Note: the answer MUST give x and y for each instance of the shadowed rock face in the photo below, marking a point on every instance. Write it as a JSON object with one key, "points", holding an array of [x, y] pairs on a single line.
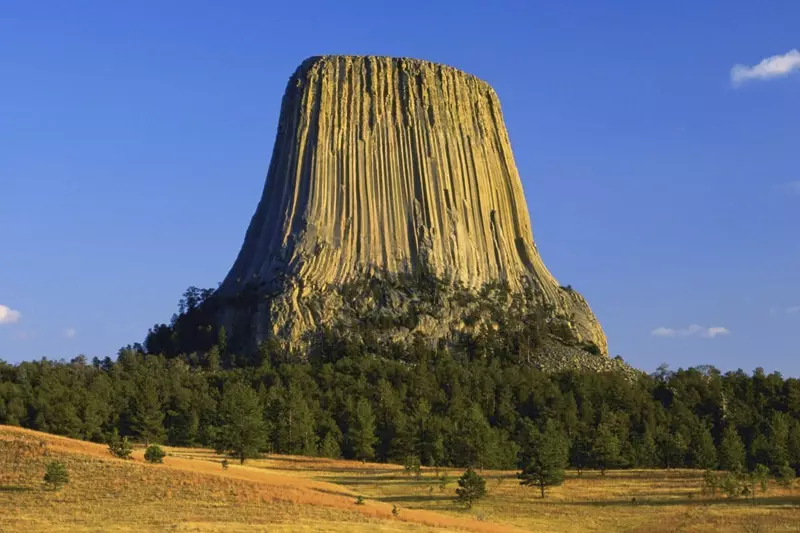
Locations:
{"points": [[387, 166]]}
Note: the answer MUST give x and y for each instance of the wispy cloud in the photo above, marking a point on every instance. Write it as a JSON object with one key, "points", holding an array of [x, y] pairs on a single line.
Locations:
{"points": [[771, 67], [692, 331], [70, 333], [793, 187], [793, 309], [8, 315]]}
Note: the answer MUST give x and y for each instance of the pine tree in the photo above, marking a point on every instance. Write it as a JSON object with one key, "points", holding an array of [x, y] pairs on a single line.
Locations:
{"points": [[147, 417], [646, 452], [242, 432], [361, 431], [731, 450], [471, 487], [56, 475], [294, 422], [702, 451], [546, 459], [472, 442], [426, 435], [606, 447], [793, 447], [779, 428]]}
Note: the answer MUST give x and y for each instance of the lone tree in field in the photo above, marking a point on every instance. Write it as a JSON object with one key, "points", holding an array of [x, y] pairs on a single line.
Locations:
{"points": [[56, 475], [242, 431], [545, 458], [471, 487]]}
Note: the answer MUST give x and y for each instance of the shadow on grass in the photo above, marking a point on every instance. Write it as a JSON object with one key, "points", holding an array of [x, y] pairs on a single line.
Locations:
{"points": [[14, 488], [362, 480], [414, 498], [644, 502]]}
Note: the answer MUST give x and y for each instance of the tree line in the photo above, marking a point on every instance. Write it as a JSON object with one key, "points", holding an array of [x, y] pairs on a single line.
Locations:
{"points": [[435, 406]]}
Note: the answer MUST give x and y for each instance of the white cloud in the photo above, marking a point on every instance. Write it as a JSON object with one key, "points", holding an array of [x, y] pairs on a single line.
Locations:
{"points": [[70, 333], [793, 309], [714, 331], [8, 315], [690, 331], [771, 67]]}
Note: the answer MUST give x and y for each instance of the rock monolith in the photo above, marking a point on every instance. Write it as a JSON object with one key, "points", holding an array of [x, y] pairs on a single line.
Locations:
{"points": [[389, 168]]}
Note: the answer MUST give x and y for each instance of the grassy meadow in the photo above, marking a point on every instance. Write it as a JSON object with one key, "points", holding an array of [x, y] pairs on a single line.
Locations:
{"points": [[191, 492]]}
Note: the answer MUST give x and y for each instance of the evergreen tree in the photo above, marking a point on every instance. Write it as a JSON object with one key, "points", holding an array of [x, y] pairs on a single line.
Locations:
{"points": [[147, 415], [731, 451], [793, 445], [472, 443], [294, 422], [361, 431], [242, 431], [605, 448], [702, 451], [779, 428], [154, 454], [56, 475], [471, 487], [546, 458], [646, 451], [426, 435]]}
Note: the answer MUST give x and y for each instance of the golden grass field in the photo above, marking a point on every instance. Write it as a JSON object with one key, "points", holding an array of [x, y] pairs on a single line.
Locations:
{"points": [[191, 492]]}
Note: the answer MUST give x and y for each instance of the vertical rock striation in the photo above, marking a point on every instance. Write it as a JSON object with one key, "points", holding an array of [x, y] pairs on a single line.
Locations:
{"points": [[388, 166]]}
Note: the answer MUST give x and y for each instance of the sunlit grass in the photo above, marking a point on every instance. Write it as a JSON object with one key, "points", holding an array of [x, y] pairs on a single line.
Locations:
{"points": [[191, 492]]}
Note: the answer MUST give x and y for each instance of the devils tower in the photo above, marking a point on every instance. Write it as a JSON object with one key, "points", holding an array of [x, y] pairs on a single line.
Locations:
{"points": [[390, 168]]}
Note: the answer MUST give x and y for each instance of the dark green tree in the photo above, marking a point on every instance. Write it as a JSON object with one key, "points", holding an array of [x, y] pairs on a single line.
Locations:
{"points": [[731, 451], [56, 475], [361, 431], [605, 448], [242, 432], [546, 457], [119, 447], [471, 487], [154, 454], [147, 415], [702, 451]]}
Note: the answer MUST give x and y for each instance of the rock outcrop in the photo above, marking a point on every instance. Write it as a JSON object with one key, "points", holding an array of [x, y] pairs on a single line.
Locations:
{"points": [[390, 167]]}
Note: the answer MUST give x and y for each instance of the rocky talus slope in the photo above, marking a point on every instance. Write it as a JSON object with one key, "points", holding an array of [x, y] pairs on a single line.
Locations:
{"points": [[390, 168]]}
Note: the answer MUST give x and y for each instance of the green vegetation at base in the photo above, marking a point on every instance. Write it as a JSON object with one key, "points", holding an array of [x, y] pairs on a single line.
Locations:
{"points": [[474, 404]]}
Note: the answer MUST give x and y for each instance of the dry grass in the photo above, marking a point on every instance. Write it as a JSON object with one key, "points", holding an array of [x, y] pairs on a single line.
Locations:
{"points": [[191, 492]]}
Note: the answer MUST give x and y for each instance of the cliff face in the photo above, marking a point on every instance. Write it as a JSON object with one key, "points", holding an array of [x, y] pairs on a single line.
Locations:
{"points": [[386, 166]]}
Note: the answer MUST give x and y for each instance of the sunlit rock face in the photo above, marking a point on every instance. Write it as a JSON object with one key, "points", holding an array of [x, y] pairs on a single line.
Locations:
{"points": [[389, 167]]}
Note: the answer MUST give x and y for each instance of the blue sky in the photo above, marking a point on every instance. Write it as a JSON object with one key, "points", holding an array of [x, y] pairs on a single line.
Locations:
{"points": [[662, 179]]}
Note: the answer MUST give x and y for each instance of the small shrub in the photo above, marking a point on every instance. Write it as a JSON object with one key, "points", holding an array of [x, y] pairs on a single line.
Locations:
{"points": [[225, 464], [444, 481], [710, 483], [785, 476], [120, 447], [395, 511], [154, 454], [56, 475], [360, 500], [412, 466], [592, 348]]}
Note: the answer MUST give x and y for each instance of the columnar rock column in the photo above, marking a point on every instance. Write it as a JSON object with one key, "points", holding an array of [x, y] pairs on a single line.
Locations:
{"points": [[393, 166]]}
